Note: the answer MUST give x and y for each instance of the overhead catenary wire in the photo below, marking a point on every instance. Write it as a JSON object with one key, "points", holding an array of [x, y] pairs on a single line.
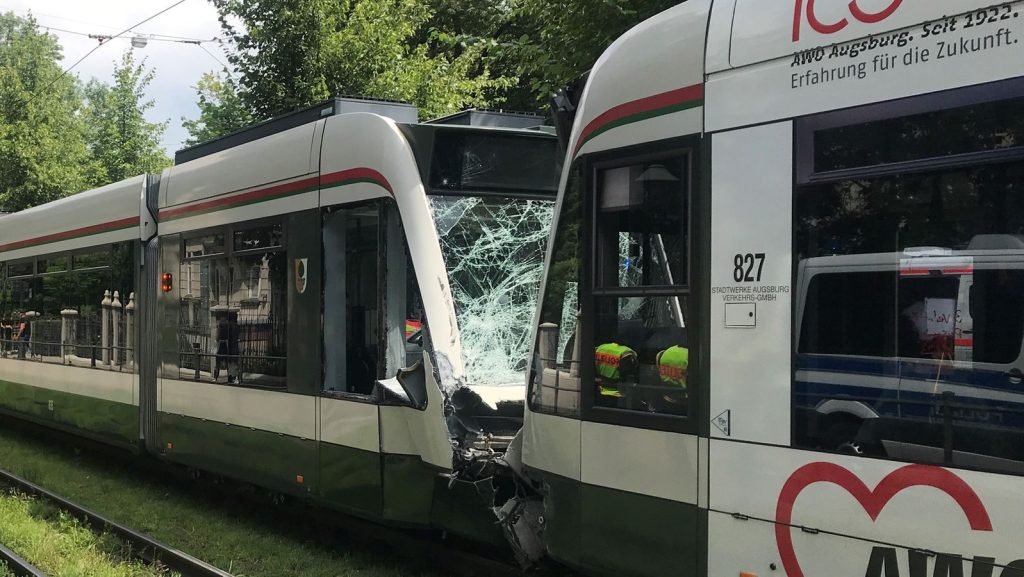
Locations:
{"points": [[225, 66], [157, 36], [149, 36], [152, 37], [119, 34]]}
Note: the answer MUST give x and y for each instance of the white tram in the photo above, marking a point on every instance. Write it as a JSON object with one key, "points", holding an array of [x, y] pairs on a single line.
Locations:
{"points": [[339, 310], [823, 203]]}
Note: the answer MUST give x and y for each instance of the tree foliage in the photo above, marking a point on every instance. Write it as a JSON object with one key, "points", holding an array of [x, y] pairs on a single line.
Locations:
{"points": [[221, 110], [440, 55], [551, 42], [292, 53], [58, 137], [544, 44], [43, 155], [122, 142]]}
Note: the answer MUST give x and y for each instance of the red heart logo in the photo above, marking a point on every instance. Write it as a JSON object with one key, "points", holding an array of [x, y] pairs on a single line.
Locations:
{"points": [[872, 501]]}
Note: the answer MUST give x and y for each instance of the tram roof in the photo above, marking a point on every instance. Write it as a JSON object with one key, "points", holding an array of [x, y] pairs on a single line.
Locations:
{"points": [[91, 218], [648, 84]]}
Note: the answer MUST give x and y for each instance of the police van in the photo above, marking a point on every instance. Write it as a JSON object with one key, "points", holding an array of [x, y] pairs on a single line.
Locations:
{"points": [[906, 354]]}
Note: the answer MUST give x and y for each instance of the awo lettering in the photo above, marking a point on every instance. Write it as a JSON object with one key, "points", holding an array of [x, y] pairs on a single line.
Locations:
{"points": [[873, 501], [805, 12], [884, 562]]}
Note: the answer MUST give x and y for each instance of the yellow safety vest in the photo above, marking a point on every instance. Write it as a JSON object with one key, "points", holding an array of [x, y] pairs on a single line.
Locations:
{"points": [[609, 360], [673, 363]]}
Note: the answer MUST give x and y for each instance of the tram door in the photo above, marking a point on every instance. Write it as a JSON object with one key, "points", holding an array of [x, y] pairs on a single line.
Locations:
{"points": [[639, 445], [349, 431], [413, 436]]}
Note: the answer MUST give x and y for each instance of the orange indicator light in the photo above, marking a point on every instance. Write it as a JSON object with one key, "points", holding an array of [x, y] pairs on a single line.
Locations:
{"points": [[166, 282]]}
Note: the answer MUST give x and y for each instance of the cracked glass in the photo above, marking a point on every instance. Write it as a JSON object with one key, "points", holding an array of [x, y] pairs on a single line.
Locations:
{"points": [[493, 249]]}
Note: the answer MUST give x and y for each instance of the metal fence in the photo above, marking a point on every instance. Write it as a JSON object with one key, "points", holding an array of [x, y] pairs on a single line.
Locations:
{"points": [[104, 340], [236, 345]]}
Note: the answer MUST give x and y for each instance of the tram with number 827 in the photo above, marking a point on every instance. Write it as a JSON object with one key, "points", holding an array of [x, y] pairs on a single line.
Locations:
{"points": [[822, 203]]}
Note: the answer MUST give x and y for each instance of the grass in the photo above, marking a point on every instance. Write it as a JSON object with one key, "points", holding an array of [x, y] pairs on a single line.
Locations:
{"points": [[231, 534], [60, 545]]}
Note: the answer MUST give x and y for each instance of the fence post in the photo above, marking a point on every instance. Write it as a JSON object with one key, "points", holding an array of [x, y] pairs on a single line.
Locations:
{"points": [[115, 322], [547, 346], [67, 334], [129, 338], [105, 328]]}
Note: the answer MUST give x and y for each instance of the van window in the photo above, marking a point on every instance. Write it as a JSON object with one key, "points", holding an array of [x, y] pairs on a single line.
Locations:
{"points": [[832, 327], [997, 313], [884, 315]]}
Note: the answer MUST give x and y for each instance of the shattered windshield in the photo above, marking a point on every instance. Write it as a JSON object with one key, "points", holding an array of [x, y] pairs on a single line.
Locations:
{"points": [[494, 253]]}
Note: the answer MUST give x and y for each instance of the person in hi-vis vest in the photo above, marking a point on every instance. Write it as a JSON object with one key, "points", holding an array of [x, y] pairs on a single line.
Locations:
{"points": [[673, 364], [615, 365]]}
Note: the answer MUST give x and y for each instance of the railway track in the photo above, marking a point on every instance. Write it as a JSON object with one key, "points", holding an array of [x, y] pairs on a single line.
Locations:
{"points": [[17, 565], [425, 551], [142, 546]]}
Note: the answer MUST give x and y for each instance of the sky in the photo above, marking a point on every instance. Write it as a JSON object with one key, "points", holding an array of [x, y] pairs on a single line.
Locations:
{"points": [[178, 66]]}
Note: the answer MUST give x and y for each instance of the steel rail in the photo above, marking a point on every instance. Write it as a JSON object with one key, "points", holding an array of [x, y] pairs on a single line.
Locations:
{"points": [[457, 559], [17, 564], [143, 546]]}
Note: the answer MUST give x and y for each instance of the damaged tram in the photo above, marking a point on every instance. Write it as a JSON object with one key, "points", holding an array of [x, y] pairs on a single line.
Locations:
{"points": [[822, 204], [338, 311]]}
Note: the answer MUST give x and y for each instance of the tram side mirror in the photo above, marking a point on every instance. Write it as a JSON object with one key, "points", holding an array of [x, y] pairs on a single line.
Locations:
{"points": [[407, 389]]}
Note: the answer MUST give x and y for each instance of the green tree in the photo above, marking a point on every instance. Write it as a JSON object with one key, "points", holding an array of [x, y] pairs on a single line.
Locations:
{"points": [[544, 44], [549, 43], [292, 53], [122, 142], [221, 109], [375, 53], [43, 155]]}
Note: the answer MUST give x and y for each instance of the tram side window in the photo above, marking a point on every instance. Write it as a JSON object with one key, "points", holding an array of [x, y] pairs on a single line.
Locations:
{"points": [[555, 371], [641, 292], [403, 305], [233, 307], [911, 312], [53, 311], [352, 251]]}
